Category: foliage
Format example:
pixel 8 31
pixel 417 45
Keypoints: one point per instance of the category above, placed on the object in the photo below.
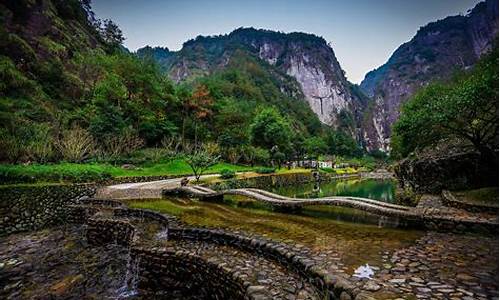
pixel 342 144
pixel 71 172
pixel 255 155
pixel 270 129
pixel 265 170
pixel 200 160
pixel 464 108
pixel 75 144
pixel 82 78
pixel 227 174
pixel 315 146
pixel 111 33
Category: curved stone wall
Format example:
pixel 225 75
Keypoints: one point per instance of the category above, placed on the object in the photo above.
pixel 161 267
pixel 191 274
pixel 450 200
pixel 32 207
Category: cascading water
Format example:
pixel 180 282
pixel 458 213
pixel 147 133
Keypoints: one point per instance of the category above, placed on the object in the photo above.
pixel 129 287
pixel 163 235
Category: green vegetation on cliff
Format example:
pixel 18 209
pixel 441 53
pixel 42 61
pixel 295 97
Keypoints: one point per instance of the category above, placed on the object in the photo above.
pixel 466 108
pixel 70 92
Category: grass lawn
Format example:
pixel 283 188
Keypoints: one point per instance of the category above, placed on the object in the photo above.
pixel 175 167
pixel 71 172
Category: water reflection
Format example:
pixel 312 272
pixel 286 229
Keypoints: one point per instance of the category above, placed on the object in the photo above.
pixel 376 189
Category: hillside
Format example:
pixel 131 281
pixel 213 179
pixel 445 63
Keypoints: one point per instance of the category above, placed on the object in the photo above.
pixel 437 51
pixel 70 91
pixel 306 58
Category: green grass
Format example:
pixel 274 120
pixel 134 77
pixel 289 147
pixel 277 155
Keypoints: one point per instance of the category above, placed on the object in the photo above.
pixel 71 172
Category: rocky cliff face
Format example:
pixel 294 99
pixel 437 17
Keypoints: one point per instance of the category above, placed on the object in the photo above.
pixel 437 50
pixel 305 57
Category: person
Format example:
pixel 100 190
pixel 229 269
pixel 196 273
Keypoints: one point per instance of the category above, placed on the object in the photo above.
pixel 184 181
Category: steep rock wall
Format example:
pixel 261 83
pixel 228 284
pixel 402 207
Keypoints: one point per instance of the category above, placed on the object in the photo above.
pixel 435 53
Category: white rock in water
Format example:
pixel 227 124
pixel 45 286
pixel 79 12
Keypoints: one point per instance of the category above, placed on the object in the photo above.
pixel 364 272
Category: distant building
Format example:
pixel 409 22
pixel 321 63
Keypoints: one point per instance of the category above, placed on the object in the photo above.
pixel 325 164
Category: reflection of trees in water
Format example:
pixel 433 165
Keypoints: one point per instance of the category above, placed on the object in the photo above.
pixel 367 188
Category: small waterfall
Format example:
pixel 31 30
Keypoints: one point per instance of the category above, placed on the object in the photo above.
pixel 129 287
pixel 163 235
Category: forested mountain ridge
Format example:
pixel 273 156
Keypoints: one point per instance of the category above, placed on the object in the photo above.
pixel 67 80
pixel 437 51
pixel 306 58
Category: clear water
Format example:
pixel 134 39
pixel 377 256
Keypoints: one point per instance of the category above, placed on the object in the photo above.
pixel 376 189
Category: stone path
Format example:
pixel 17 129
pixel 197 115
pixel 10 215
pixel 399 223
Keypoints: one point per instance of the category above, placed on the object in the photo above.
pixel 444 266
pixel 430 211
pixel 58 264
pixel 143 190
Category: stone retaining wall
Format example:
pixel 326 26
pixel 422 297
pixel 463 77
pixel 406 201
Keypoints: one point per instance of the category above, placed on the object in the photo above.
pixel 157 266
pixel 136 179
pixel 32 207
pixel 450 200
pixel 145 214
pixel 452 172
pixel 337 287
pixel 105 231
pixel 275 180
pixel 189 273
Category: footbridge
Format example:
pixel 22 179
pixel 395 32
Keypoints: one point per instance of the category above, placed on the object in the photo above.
pixel 283 202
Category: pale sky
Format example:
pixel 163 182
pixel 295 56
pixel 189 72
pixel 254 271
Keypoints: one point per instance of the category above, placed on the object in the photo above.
pixel 363 33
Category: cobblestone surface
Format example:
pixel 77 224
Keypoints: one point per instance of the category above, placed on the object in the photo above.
pixel 280 282
pixel 58 264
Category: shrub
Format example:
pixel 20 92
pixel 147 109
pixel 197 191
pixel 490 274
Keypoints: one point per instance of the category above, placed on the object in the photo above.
pixel 255 155
pixel 265 170
pixel 11 147
pixel 124 144
pixel 227 174
pixel 75 144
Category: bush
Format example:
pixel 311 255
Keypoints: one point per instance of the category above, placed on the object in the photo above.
pixel 255 155
pixel 39 148
pixel 75 144
pixel 265 170
pixel 227 174
pixel 121 145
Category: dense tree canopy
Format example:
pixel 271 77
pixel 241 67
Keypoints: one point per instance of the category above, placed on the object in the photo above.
pixel 270 129
pixel 465 108
pixel 85 82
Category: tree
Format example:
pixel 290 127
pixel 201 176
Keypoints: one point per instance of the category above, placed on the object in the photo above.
pixel 315 146
pixel 200 104
pixel 465 108
pixel 270 129
pixel 255 155
pixel 200 160
pixel 343 144
pixel 75 144
pixel 111 33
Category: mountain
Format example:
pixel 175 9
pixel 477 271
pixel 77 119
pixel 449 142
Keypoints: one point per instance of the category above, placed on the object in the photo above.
pixel 437 51
pixel 162 55
pixel 306 58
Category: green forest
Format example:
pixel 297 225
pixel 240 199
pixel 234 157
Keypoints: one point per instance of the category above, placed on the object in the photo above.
pixel 79 96
pixel 72 93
